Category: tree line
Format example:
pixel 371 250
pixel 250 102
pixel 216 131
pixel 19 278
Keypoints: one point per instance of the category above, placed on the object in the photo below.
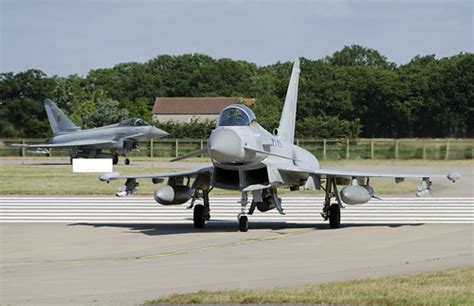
pixel 355 92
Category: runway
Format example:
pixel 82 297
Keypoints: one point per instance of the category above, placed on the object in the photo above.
pixel 111 251
pixel 299 210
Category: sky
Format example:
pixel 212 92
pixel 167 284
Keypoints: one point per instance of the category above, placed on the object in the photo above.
pixel 63 37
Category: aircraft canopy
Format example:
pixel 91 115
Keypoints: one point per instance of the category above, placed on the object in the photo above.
pixel 236 115
pixel 134 122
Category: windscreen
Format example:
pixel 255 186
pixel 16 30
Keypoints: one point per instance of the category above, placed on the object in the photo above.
pixel 134 122
pixel 233 116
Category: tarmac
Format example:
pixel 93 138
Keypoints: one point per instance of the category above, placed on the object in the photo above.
pixel 109 251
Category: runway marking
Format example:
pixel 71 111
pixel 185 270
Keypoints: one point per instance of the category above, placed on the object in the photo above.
pixel 304 209
pixel 222 245
pixel 79 262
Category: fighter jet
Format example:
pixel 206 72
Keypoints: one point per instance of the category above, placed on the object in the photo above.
pixel 120 138
pixel 249 159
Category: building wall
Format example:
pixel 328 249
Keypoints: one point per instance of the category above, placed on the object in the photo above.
pixel 183 118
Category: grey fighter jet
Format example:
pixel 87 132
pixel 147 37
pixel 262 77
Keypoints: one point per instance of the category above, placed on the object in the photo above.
pixel 120 138
pixel 249 159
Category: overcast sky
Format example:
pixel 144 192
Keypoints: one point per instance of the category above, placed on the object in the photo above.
pixel 65 37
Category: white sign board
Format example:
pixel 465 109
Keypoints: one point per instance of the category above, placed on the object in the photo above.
pixel 91 165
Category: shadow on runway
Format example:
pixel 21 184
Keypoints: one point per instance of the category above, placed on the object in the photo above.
pixel 154 229
pixel 39 163
pixel 51 164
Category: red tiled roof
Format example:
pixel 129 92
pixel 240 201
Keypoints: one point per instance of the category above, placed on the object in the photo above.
pixel 179 105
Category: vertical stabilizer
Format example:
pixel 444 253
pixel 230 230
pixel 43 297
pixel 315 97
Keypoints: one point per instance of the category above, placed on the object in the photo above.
pixel 59 122
pixel 286 130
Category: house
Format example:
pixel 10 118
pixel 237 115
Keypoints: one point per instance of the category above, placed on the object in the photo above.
pixel 182 109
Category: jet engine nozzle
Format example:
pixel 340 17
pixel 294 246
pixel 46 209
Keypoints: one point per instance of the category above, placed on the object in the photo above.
pixel 225 145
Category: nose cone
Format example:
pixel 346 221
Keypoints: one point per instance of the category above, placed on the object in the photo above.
pixel 225 145
pixel 154 132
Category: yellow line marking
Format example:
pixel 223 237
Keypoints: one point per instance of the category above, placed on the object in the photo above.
pixel 216 246
pixel 78 262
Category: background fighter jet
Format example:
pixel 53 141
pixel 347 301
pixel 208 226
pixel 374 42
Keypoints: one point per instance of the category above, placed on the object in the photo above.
pixel 248 158
pixel 120 138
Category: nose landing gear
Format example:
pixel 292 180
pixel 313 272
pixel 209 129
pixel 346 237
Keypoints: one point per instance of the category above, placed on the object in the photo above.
pixel 242 216
pixel 243 223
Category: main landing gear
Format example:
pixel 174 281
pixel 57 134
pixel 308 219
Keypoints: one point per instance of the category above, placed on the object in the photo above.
pixel 332 211
pixel 202 212
pixel 115 159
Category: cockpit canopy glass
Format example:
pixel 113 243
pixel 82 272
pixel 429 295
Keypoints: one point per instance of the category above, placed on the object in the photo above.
pixel 134 122
pixel 236 115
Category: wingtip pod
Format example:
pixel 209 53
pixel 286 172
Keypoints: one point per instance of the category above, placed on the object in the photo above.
pixel 453 176
pixel 106 177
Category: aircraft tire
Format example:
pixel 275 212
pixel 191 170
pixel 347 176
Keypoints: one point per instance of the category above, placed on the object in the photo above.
pixel 127 161
pixel 115 159
pixel 243 223
pixel 199 216
pixel 334 216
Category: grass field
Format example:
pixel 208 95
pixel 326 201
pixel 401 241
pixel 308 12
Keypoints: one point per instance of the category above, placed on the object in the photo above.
pixel 451 287
pixel 59 180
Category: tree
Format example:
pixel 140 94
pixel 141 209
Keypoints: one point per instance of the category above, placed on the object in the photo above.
pixel 106 112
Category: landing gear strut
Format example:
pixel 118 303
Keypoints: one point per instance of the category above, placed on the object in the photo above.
pixel 332 211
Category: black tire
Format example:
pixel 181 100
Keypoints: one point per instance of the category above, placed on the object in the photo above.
pixel 243 223
pixel 199 217
pixel 334 216
pixel 115 159
pixel 127 161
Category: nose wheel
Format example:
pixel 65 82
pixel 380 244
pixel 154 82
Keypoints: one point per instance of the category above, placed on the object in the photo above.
pixel 243 223
pixel 242 217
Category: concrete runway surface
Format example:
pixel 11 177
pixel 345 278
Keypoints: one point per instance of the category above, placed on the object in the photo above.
pixel 109 251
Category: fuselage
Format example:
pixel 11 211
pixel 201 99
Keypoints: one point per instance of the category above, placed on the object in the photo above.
pixel 116 134
pixel 248 154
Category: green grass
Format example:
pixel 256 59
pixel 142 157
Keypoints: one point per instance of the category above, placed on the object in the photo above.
pixel 59 179
pixel 451 287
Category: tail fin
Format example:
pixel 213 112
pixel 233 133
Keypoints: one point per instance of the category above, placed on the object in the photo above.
pixel 286 130
pixel 59 122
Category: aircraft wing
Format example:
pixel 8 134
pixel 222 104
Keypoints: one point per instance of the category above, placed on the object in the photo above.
pixel 78 143
pixel 190 174
pixel 355 174
pixel 131 180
